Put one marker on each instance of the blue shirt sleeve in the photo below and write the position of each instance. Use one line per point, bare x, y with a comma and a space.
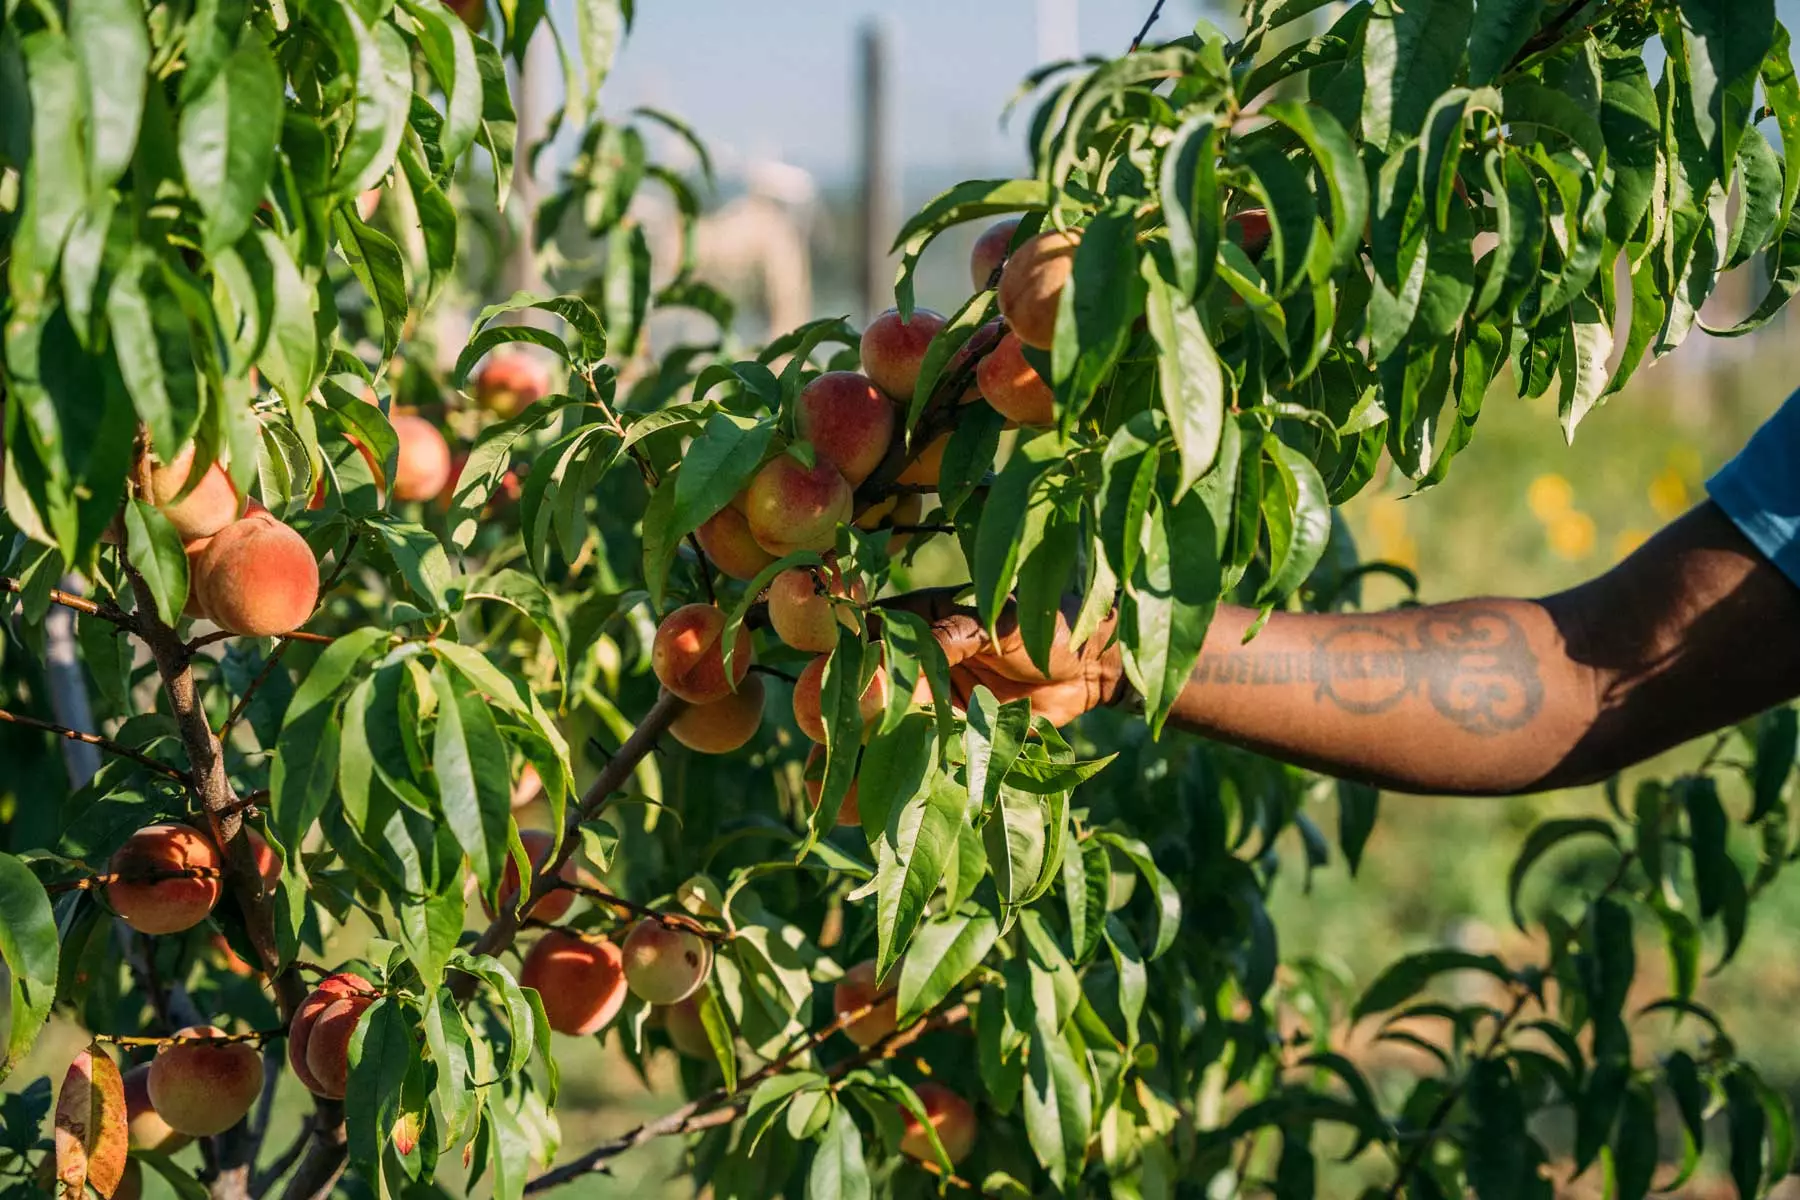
1760, 489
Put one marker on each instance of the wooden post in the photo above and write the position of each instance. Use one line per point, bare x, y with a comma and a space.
878, 222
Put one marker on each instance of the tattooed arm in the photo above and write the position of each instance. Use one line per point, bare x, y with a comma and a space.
1694, 631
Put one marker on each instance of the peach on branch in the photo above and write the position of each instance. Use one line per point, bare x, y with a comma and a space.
857, 990
848, 421
729, 544
551, 905
806, 611
1013, 386
1031, 285
813, 777
148, 893
511, 380
580, 980
794, 507
893, 349
687, 1033
928, 467
808, 696
1250, 230
950, 1115
724, 725
258, 577
422, 466
194, 548
331, 989
663, 964
688, 659
143, 1124
213, 503
328, 1045
989, 254
204, 1088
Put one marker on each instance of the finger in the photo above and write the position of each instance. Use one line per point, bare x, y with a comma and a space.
961, 637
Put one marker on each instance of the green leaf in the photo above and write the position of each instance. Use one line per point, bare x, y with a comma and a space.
1499, 32
1777, 737
1727, 41
306, 754
1541, 840
113, 48
1747, 1123
895, 766
499, 127
1003, 517
965, 202
378, 266
1014, 836
1193, 383
1412, 54
1408, 976
1169, 601
1167, 901
437, 225
228, 137
30, 950
450, 53
1190, 201
1707, 828
993, 738
912, 859
1099, 303
1087, 885
943, 955
474, 777
716, 467
154, 550
1058, 1103
838, 1170
381, 1053
1298, 516
1335, 155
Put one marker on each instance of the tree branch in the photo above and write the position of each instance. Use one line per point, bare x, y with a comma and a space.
81, 604
94, 739
682, 921
1144, 32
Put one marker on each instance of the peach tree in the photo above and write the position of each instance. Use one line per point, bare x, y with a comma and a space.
452, 706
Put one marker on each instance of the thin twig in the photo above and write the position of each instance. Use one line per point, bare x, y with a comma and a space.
685, 922
81, 604
1145, 31
94, 739
210, 1039
774, 672
88, 883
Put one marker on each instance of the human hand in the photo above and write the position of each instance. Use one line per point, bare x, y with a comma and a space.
1080, 678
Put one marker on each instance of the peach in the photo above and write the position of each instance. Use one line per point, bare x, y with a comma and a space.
664, 965
213, 503
925, 470
687, 658
328, 1045
1013, 386
204, 1088
268, 863
814, 778
166, 905
147, 1129
195, 548
803, 610
472, 12
511, 380
808, 695
367, 202
331, 989
681, 1021
258, 578
950, 1115
895, 510
989, 254
422, 467
847, 420
857, 990
724, 725
1250, 230
792, 507
892, 349
580, 980
728, 542
1032, 283
552, 905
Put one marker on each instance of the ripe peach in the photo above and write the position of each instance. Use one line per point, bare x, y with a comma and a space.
195, 548
147, 1129
422, 468
511, 380
169, 905
258, 577
892, 349
808, 694
665, 965
204, 1088
367, 202
580, 980
803, 611
792, 507
681, 1021
989, 254
211, 506
1032, 283
472, 12
328, 1045
728, 542
687, 658
331, 989
847, 420
855, 991
950, 1115
1013, 386
925, 470
724, 725
895, 510
552, 905
814, 778
1250, 230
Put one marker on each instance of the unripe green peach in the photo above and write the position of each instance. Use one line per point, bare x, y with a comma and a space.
791, 507
330, 990
1013, 386
857, 990
1032, 283
144, 1125
892, 350
848, 421
729, 544
664, 965
687, 658
164, 905
724, 725
813, 776
681, 1021
808, 690
804, 612
950, 1115
989, 254
422, 466
213, 504
204, 1088
258, 577
580, 980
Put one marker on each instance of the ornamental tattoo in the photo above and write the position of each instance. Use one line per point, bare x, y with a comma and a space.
1473, 664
